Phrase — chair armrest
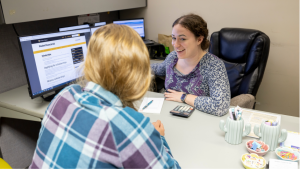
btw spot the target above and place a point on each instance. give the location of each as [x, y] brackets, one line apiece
[243, 100]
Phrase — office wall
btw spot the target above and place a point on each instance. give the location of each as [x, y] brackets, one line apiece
[279, 90]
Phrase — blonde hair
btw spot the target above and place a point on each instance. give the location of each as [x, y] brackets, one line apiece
[118, 60]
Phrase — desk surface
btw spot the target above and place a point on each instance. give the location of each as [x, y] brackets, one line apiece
[196, 142]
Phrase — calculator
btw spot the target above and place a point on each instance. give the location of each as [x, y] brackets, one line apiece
[183, 111]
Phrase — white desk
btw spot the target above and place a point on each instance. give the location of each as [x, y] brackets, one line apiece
[196, 142]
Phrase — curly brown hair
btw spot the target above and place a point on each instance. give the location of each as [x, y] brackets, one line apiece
[197, 25]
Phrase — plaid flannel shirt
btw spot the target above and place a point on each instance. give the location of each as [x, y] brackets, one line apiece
[89, 128]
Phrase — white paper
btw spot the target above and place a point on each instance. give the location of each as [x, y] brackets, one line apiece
[292, 141]
[256, 118]
[281, 164]
[154, 107]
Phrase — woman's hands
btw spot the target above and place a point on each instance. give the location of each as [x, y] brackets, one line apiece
[159, 127]
[173, 95]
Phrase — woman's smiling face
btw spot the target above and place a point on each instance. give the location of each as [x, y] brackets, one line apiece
[185, 43]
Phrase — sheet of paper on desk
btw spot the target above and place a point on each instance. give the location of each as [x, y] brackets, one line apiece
[292, 141]
[256, 118]
[281, 164]
[154, 107]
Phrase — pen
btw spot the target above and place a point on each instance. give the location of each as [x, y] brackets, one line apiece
[230, 113]
[147, 104]
[233, 115]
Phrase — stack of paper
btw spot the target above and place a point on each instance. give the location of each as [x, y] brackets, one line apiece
[292, 141]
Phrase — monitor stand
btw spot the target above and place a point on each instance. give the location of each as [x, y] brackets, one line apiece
[49, 97]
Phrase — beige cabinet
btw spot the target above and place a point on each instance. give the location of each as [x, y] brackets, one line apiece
[16, 11]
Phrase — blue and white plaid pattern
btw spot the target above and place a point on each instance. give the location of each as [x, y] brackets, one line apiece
[89, 128]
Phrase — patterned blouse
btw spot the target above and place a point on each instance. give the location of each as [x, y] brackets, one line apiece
[208, 80]
[89, 128]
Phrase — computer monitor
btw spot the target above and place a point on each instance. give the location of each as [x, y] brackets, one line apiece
[73, 27]
[100, 24]
[51, 61]
[97, 25]
[93, 29]
[136, 24]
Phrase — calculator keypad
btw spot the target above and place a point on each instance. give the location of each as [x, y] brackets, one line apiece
[184, 111]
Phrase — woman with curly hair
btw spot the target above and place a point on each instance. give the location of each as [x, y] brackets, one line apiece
[193, 75]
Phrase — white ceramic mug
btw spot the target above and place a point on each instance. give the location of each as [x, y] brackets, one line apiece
[270, 134]
[234, 130]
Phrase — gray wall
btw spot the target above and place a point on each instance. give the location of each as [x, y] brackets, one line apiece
[12, 73]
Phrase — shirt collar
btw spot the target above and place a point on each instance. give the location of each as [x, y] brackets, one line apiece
[99, 91]
[195, 70]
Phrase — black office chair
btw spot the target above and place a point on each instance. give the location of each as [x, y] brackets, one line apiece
[18, 140]
[245, 53]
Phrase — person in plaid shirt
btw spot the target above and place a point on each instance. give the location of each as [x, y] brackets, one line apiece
[95, 125]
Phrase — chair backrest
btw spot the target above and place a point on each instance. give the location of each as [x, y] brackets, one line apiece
[18, 140]
[245, 53]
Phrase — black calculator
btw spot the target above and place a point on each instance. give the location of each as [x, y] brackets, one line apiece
[183, 111]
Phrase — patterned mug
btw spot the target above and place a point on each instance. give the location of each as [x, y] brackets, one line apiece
[270, 134]
[234, 130]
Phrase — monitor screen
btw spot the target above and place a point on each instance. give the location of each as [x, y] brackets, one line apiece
[53, 60]
[94, 29]
[100, 23]
[136, 24]
[73, 28]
